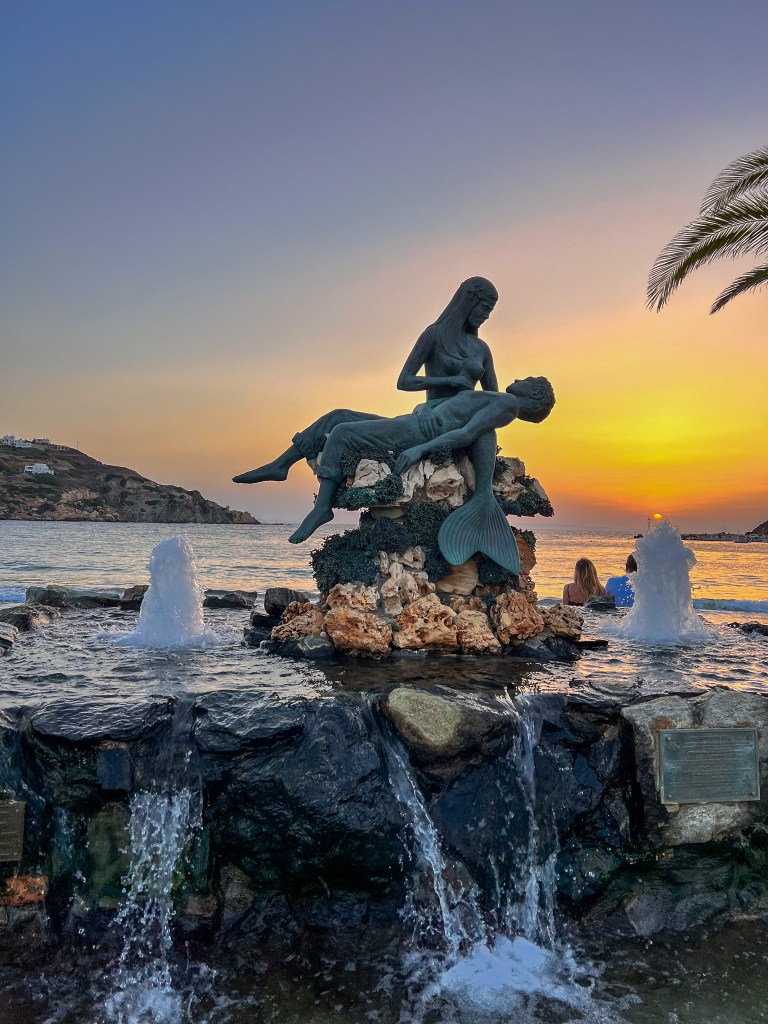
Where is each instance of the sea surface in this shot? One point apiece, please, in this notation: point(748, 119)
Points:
point(77, 654)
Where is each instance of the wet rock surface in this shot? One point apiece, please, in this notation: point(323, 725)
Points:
point(305, 843)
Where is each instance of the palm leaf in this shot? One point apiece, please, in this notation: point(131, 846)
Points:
point(745, 173)
point(755, 278)
point(741, 229)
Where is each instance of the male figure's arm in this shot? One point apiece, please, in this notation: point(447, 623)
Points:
point(490, 414)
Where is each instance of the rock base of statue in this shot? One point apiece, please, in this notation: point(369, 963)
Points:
point(385, 586)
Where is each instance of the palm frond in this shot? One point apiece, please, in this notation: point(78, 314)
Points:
point(755, 278)
point(747, 172)
point(742, 229)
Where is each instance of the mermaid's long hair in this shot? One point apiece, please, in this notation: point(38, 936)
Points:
point(452, 323)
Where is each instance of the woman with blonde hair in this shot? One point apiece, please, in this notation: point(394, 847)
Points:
point(585, 584)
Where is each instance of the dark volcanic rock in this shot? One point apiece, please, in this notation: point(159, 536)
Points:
point(25, 616)
point(8, 634)
point(229, 598)
point(277, 599)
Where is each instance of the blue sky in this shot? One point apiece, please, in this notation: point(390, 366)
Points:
point(210, 206)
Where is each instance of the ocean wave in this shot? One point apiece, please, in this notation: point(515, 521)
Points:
point(12, 595)
point(717, 604)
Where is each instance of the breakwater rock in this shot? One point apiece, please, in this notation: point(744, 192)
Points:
point(306, 844)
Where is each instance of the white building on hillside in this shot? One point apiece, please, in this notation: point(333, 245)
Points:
point(40, 467)
point(41, 440)
point(18, 443)
point(8, 439)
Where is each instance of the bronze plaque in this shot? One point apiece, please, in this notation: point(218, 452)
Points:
point(11, 830)
point(708, 766)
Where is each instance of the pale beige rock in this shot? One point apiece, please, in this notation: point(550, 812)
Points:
point(474, 633)
point(353, 595)
point(413, 480)
point(412, 558)
point(300, 618)
point(460, 603)
point(368, 473)
point(426, 623)
point(563, 620)
point(515, 618)
point(399, 589)
point(446, 484)
point(513, 466)
point(460, 579)
point(358, 632)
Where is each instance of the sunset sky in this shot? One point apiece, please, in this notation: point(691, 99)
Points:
point(222, 218)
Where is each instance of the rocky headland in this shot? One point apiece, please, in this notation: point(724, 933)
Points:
point(81, 488)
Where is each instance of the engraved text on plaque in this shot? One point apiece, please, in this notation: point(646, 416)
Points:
point(701, 766)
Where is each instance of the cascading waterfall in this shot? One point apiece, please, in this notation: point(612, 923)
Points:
point(490, 968)
point(535, 912)
point(460, 919)
point(161, 824)
point(171, 614)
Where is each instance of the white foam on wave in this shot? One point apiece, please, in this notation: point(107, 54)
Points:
point(726, 605)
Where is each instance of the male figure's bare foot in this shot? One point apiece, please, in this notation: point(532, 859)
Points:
point(275, 470)
point(272, 471)
point(316, 518)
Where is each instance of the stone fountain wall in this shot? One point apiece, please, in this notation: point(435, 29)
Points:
point(304, 847)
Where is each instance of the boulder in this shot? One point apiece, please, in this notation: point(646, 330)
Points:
point(369, 473)
point(446, 484)
point(439, 725)
point(300, 618)
point(514, 618)
point(460, 579)
point(401, 587)
point(474, 633)
point(426, 623)
point(353, 595)
point(277, 599)
point(563, 620)
point(230, 598)
point(358, 632)
point(25, 617)
point(133, 596)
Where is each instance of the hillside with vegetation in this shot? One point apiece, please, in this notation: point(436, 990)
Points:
point(81, 488)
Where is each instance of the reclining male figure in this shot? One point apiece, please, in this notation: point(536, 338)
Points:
point(469, 419)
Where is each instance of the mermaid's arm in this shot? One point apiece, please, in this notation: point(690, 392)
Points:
point(409, 379)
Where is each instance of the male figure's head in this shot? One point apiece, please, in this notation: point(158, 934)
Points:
point(535, 397)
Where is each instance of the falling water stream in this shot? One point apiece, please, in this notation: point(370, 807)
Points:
point(161, 825)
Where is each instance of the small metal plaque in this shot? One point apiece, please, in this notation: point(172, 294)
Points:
point(11, 830)
point(708, 766)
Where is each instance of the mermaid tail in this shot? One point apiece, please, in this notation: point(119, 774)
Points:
point(479, 526)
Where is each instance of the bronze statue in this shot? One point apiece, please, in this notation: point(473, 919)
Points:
point(449, 349)
point(468, 419)
point(455, 414)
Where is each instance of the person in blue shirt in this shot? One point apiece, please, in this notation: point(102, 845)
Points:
point(620, 587)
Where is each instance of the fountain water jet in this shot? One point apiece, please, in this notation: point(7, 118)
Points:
point(663, 610)
point(171, 615)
